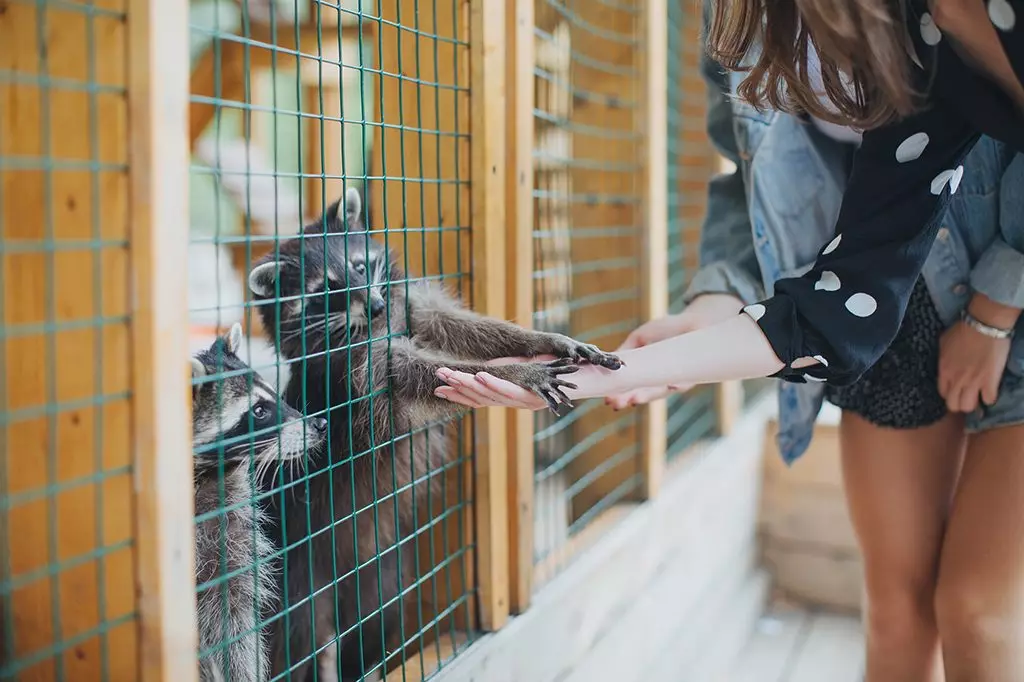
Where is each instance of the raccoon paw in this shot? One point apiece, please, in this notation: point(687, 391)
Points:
point(577, 352)
point(543, 379)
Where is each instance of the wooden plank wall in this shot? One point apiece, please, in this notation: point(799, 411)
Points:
point(607, 191)
point(96, 489)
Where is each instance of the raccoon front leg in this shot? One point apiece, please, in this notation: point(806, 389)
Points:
point(440, 322)
point(411, 374)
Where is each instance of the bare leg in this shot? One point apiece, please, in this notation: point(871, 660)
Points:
point(980, 599)
point(899, 486)
point(440, 324)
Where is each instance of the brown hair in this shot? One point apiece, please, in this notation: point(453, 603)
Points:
point(862, 42)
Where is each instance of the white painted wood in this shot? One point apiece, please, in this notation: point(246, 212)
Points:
point(550, 515)
point(675, 607)
point(712, 495)
point(833, 651)
point(775, 644)
point(730, 631)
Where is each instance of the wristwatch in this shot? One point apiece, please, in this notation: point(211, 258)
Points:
point(982, 328)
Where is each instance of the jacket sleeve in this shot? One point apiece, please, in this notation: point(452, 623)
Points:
point(846, 311)
point(728, 263)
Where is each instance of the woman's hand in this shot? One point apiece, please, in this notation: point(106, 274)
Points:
point(705, 311)
point(971, 364)
point(485, 390)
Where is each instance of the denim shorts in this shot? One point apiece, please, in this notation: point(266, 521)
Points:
point(1008, 409)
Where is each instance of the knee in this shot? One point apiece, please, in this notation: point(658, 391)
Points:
point(900, 617)
point(973, 616)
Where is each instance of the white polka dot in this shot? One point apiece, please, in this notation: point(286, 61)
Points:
point(1001, 13)
point(828, 281)
point(814, 379)
point(832, 245)
point(862, 305)
point(940, 181)
point(912, 147)
point(756, 311)
point(954, 182)
point(930, 33)
point(821, 359)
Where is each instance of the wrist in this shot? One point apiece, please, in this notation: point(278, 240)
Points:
point(992, 314)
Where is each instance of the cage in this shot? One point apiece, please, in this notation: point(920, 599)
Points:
point(183, 181)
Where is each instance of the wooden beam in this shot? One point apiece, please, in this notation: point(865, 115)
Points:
point(728, 405)
point(218, 73)
point(72, 553)
point(519, 287)
point(655, 268)
point(162, 426)
point(487, 87)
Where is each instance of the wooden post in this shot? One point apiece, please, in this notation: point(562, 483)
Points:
point(162, 426)
point(96, 441)
point(728, 405)
point(655, 268)
point(487, 83)
point(519, 287)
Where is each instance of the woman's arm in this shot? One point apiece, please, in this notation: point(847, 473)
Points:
point(734, 349)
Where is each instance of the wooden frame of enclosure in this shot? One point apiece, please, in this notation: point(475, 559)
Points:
point(151, 133)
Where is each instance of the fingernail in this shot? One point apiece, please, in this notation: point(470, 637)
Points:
point(440, 395)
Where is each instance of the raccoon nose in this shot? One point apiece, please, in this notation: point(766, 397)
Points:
point(376, 307)
point(320, 425)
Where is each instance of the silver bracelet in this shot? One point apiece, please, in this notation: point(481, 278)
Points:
point(982, 328)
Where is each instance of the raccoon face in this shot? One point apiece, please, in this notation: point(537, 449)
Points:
point(235, 412)
point(319, 290)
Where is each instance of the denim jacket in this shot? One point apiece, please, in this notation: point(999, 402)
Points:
point(768, 219)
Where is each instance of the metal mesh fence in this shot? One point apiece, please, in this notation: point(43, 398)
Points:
point(691, 416)
point(587, 250)
point(368, 520)
point(67, 602)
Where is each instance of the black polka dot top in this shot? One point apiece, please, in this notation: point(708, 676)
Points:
point(846, 311)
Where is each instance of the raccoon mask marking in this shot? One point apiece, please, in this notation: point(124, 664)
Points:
point(331, 282)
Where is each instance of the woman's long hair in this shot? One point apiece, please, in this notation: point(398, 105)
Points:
point(863, 47)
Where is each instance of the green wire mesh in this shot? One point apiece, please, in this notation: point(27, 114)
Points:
point(587, 251)
point(66, 550)
point(293, 103)
point(691, 416)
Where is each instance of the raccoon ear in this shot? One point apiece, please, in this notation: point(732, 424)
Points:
point(198, 371)
point(353, 207)
point(353, 213)
point(263, 277)
point(233, 339)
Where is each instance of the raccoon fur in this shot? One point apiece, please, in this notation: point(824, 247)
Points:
point(339, 308)
point(240, 416)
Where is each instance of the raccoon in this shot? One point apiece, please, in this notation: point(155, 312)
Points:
point(242, 417)
point(339, 307)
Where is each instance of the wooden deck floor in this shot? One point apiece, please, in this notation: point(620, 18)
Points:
point(791, 645)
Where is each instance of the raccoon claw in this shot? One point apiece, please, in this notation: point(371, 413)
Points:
point(587, 352)
point(551, 388)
